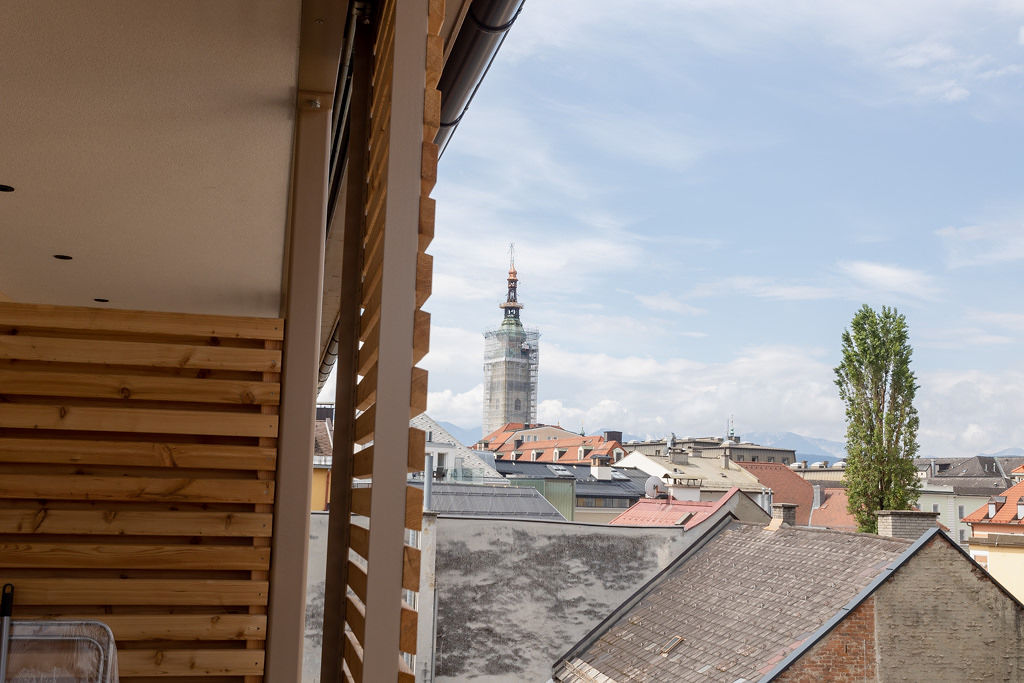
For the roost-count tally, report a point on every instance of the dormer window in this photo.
(534, 455)
(579, 453)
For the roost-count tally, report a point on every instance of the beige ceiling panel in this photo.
(152, 142)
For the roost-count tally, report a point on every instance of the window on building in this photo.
(771, 458)
(657, 451)
(960, 514)
(430, 436)
(519, 404)
(963, 535)
(935, 507)
(753, 458)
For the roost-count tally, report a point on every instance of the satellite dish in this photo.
(653, 486)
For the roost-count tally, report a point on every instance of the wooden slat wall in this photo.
(369, 330)
(137, 462)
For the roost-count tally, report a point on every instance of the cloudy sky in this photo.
(702, 193)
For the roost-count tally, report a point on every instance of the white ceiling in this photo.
(152, 141)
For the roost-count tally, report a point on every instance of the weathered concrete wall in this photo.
(845, 654)
(513, 596)
(315, 576)
(940, 617)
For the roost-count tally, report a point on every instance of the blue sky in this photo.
(703, 193)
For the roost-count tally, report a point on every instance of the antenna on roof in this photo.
(512, 254)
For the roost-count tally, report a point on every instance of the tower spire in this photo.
(511, 305)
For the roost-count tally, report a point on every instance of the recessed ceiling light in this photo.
(62, 257)
(102, 301)
(6, 188)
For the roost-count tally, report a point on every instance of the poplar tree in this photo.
(877, 385)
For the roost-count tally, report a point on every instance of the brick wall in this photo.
(940, 617)
(845, 654)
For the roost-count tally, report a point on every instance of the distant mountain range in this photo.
(807, 448)
(467, 437)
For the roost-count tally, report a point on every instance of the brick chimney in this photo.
(786, 512)
(905, 523)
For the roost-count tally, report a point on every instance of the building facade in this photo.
(511, 360)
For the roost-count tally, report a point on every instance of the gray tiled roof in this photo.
(740, 603)
(491, 501)
(972, 486)
(628, 484)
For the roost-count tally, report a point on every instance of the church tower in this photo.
(511, 358)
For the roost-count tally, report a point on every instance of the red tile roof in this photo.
(502, 434)
(787, 486)
(568, 448)
(1018, 470)
(661, 512)
(1007, 514)
(832, 514)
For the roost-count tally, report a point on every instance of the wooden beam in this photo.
(137, 454)
(148, 354)
(32, 555)
(91, 591)
(137, 387)
(126, 522)
(86, 487)
(139, 322)
(139, 420)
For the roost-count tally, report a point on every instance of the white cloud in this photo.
(960, 338)
(890, 279)
(763, 288)
(464, 409)
(1010, 321)
(986, 244)
(964, 413)
(666, 302)
(918, 55)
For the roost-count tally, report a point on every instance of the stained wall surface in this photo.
(512, 596)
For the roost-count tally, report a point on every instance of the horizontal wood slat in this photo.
(181, 626)
(366, 390)
(71, 417)
(146, 447)
(85, 487)
(150, 354)
(139, 454)
(411, 568)
(174, 592)
(140, 322)
(407, 635)
(353, 656)
(420, 336)
(361, 501)
(357, 580)
(138, 387)
(99, 556)
(356, 618)
(359, 540)
(190, 662)
(413, 509)
(148, 523)
(362, 463)
(417, 446)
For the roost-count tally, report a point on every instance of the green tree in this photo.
(877, 385)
